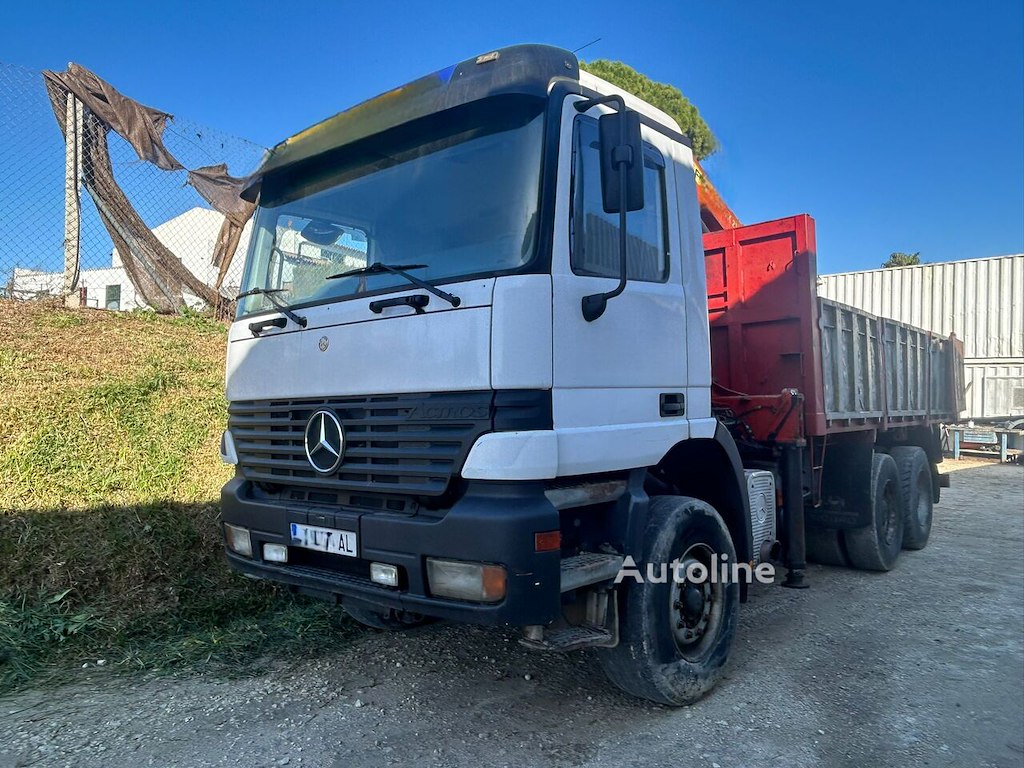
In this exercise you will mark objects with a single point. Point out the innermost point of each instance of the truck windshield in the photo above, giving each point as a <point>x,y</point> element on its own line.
<point>462,204</point>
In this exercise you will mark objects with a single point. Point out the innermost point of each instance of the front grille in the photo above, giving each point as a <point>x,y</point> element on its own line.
<point>396,446</point>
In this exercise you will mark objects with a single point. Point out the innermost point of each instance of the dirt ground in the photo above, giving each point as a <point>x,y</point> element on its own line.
<point>921,666</point>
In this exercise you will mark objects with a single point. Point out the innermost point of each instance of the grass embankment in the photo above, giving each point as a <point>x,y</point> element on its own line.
<point>109,474</point>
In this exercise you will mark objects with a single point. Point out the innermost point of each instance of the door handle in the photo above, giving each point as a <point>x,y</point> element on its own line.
<point>672,404</point>
<point>262,325</point>
<point>417,301</point>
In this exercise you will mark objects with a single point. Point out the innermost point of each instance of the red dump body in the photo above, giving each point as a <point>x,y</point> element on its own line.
<point>791,364</point>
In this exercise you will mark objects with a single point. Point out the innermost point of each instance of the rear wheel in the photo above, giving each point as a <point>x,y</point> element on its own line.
<point>876,546</point>
<point>676,634</point>
<point>916,484</point>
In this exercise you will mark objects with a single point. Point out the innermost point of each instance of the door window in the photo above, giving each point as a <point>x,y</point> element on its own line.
<point>594,235</point>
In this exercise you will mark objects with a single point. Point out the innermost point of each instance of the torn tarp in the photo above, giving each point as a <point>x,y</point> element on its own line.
<point>223,191</point>
<point>158,275</point>
<point>140,126</point>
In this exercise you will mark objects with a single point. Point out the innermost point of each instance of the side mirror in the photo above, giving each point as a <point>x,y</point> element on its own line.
<point>621,145</point>
<point>622,183</point>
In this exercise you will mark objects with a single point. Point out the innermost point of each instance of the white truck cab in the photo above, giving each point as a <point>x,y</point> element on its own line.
<point>425,421</point>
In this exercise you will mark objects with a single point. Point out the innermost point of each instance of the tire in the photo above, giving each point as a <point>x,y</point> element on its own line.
<point>674,640</point>
<point>825,546</point>
<point>877,546</point>
<point>385,618</point>
<point>916,484</point>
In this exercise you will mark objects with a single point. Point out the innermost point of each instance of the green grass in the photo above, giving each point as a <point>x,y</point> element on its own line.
<point>109,475</point>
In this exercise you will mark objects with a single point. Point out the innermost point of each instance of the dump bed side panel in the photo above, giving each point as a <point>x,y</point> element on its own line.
<point>770,332</point>
<point>877,368</point>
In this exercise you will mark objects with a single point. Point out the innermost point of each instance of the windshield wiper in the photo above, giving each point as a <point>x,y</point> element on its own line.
<point>399,269</point>
<point>269,293</point>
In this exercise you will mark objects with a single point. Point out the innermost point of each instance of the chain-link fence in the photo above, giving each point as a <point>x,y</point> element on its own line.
<point>60,235</point>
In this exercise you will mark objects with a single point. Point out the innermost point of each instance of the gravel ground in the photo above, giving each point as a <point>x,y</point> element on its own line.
<point>922,666</point>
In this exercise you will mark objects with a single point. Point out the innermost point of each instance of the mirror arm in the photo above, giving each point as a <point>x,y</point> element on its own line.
<point>615,99</point>
<point>595,304</point>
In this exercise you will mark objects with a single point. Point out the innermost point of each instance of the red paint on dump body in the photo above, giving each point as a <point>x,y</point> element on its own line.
<point>770,418</point>
<point>762,305</point>
<point>766,346</point>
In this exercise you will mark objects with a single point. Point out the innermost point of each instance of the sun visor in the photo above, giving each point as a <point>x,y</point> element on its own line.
<point>522,69</point>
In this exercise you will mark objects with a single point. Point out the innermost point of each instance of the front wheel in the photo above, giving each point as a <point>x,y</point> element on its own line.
<point>676,632</point>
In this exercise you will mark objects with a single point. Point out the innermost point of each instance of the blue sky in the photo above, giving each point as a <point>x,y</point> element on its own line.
<point>897,125</point>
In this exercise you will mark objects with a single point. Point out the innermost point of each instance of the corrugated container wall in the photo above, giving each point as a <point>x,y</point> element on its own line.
<point>980,300</point>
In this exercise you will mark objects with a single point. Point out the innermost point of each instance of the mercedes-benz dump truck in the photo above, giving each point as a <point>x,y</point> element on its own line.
<point>488,367</point>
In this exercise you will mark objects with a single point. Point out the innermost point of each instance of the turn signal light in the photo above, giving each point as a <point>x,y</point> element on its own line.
<point>548,541</point>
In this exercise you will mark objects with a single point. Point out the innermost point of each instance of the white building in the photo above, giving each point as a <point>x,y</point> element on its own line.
<point>980,300</point>
<point>191,237</point>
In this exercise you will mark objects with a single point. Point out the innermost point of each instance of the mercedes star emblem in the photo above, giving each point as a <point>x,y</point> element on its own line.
<point>325,442</point>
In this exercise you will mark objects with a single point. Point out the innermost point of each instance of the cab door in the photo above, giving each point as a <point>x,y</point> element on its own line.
<point>619,381</point>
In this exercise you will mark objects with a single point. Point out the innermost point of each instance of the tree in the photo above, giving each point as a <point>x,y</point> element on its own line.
<point>667,98</point>
<point>900,259</point>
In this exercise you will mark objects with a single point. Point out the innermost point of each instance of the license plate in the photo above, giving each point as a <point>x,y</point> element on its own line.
<point>324,539</point>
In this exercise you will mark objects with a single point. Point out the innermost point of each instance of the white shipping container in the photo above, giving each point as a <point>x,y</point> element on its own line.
<point>995,389</point>
<point>980,300</point>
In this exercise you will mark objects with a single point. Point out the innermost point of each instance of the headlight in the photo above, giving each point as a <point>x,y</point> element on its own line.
<point>238,539</point>
<point>478,582</point>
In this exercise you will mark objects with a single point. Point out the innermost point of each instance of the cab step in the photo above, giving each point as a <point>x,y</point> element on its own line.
<point>589,568</point>
<point>570,639</point>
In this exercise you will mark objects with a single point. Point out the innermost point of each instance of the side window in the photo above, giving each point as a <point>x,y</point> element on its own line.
<point>595,234</point>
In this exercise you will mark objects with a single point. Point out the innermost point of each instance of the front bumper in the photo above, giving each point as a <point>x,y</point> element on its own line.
<point>491,523</point>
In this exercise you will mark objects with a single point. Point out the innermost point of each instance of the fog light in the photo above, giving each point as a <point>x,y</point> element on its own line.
<point>238,539</point>
<point>385,574</point>
<point>275,553</point>
<point>466,581</point>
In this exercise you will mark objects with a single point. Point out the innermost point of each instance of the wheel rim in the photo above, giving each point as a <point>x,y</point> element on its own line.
<point>695,609</point>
